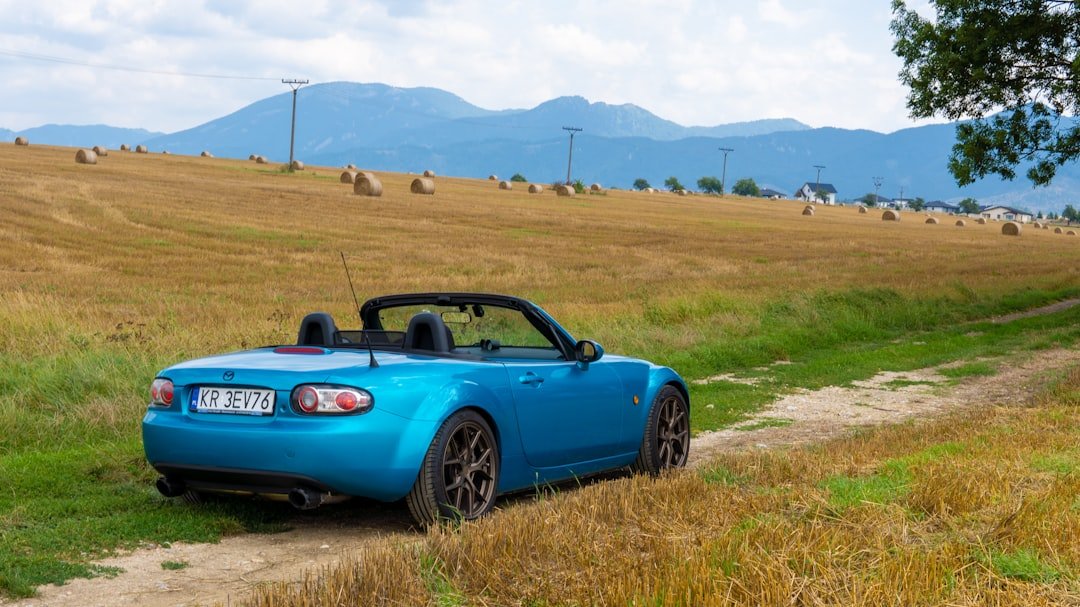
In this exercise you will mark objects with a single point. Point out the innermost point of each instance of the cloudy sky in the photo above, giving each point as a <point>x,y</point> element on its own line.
<point>697,62</point>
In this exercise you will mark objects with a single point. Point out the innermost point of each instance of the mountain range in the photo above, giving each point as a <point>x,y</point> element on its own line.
<point>381,127</point>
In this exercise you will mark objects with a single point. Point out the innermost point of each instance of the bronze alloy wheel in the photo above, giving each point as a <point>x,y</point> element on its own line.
<point>459,477</point>
<point>672,433</point>
<point>665,443</point>
<point>467,467</point>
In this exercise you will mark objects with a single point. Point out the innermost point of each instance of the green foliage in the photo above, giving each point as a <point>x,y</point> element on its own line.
<point>174,565</point>
<point>1022,565</point>
<point>641,184</point>
<point>710,185</point>
<point>973,58</point>
<point>672,184</point>
<point>917,205</point>
<point>579,186</point>
<point>518,178</point>
<point>746,187</point>
<point>821,194</point>
<point>1070,213</point>
<point>969,206</point>
<point>869,199</point>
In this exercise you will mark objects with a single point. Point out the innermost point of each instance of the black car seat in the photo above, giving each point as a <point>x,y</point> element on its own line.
<point>317,329</point>
<point>427,331</point>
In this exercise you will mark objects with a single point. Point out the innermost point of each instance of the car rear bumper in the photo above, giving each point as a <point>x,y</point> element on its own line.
<point>375,455</point>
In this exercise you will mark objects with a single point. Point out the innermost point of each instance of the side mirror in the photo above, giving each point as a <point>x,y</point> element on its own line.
<point>587,351</point>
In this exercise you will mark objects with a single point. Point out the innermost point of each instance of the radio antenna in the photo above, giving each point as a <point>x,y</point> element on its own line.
<point>367,340</point>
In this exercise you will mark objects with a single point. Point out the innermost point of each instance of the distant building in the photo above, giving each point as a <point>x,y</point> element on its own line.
<point>809,191</point>
<point>1000,213</point>
<point>938,206</point>
<point>772,194</point>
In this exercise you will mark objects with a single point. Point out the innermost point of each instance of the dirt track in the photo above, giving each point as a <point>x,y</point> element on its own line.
<point>224,572</point>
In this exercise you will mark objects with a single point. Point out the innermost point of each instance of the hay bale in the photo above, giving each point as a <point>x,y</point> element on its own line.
<point>423,185</point>
<point>960,223</point>
<point>101,150</point>
<point>890,215</point>
<point>932,220</point>
<point>261,160</point>
<point>493,177</point>
<point>506,185</point>
<point>367,184</point>
<point>862,210</point>
<point>1037,225</point>
<point>536,188</point>
<point>22,141</point>
<point>206,154</point>
<point>252,157</point>
<point>141,149</point>
<point>683,193</point>
<point>564,190</point>
<point>808,210</point>
<point>164,152</point>
<point>1010,228</point>
<point>348,177</point>
<point>1046,226</point>
<point>429,173</point>
<point>1057,230</point>
<point>296,165</point>
<point>981,221</point>
<point>350,166</point>
<point>86,157</point>
<point>1071,233</point>
<point>596,187</point>
<point>125,147</point>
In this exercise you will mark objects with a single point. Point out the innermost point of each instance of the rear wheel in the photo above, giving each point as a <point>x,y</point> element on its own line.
<point>666,441</point>
<point>459,477</point>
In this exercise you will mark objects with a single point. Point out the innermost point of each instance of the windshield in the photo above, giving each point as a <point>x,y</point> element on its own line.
<point>472,326</point>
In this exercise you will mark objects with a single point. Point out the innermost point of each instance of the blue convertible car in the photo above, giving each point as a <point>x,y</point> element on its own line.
<point>444,399</point>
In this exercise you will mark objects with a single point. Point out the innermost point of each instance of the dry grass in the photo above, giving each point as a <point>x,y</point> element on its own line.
<point>968,510</point>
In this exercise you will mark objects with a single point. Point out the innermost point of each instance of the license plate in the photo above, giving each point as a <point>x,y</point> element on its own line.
<point>242,401</point>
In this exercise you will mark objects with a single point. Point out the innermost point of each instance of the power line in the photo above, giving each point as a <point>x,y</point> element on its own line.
<point>295,86</point>
<point>123,68</point>
<point>723,177</point>
<point>570,160</point>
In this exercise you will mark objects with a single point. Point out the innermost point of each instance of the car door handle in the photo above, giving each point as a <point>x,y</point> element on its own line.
<point>531,378</point>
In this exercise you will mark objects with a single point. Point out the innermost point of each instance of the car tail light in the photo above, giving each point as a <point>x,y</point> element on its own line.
<point>161,392</point>
<point>319,399</point>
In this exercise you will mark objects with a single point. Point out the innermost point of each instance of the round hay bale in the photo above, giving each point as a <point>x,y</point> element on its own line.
<point>981,221</point>
<point>261,160</point>
<point>165,152</point>
<point>506,185</point>
<point>1046,226</point>
<point>493,177</point>
<point>206,154</point>
<point>101,150</point>
<point>564,190</point>
<point>141,149</point>
<point>596,187</point>
<point>1071,233</point>
<point>862,210</point>
<point>808,210</point>
<point>348,177</point>
<point>429,173</point>
<point>125,147</point>
<point>22,141</point>
<point>367,184</point>
<point>252,156</point>
<point>536,188</point>
<point>350,166</point>
<point>296,165</point>
<point>890,215</point>
<point>683,193</point>
<point>86,157</point>
<point>960,223</point>
<point>423,185</point>
<point>931,220</point>
<point>1010,228</point>
<point>1057,230</point>
<point>1037,225</point>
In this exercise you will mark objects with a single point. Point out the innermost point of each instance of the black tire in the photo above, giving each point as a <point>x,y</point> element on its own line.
<point>666,441</point>
<point>459,477</point>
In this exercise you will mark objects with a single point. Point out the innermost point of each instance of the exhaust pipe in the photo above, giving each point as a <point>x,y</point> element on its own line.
<point>306,499</point>
<point>170,487</point>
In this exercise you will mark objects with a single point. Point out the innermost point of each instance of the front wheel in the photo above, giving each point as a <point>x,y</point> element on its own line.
<point>459,477</point>
<point>666,441</point>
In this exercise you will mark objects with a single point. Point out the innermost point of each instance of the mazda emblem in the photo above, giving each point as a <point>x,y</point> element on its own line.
<point>227,376</point>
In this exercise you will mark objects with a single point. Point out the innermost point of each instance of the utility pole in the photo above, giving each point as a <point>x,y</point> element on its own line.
<point>723,176</point>
<point>295,86</point>
<point>571,130</point>
<point>877,186</point>
<point>900,204</point>
<point>817,184</point>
